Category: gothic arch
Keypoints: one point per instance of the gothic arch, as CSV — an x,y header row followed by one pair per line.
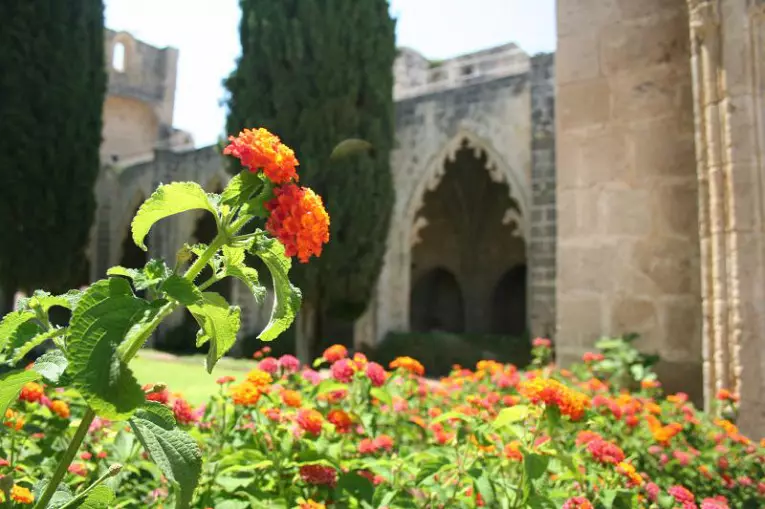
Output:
x,y
498,170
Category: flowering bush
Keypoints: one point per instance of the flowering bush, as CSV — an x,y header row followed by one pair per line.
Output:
x,y
360,435
110,323
345,432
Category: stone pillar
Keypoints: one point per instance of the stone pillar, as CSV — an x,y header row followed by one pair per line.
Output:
x,y
541,248
728,43
628,245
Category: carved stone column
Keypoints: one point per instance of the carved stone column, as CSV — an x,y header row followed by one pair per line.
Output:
x,y
727,81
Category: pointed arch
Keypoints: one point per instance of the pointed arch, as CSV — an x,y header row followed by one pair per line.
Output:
x,y
498,170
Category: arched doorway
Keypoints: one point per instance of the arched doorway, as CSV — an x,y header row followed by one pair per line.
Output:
x,y
436,303
467,227
509,303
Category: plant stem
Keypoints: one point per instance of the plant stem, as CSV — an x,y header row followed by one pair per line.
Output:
x,y
84,493
66,460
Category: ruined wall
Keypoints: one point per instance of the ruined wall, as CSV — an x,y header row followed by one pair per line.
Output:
x,y
138,111
628,245
492,116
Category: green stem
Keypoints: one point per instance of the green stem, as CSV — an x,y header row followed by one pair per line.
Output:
x,y
66,460
81,496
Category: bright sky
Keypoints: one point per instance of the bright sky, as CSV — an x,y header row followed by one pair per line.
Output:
x,y
206,32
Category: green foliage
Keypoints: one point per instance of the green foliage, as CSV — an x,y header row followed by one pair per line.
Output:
x,y
50,135
109,324
287,297
219,324
320,73
100,322
173,450
168,200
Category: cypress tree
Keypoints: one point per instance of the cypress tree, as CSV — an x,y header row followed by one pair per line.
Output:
x,y
52,89
317,72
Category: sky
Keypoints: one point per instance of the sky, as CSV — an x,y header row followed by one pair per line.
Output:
x,y
206,33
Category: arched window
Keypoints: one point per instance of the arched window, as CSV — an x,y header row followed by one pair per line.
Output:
x,y
118,57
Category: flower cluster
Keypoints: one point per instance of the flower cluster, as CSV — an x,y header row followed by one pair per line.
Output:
x,y
553,393
297,217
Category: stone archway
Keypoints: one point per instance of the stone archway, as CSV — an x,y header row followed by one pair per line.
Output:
x,y
471,225
508,304
436,304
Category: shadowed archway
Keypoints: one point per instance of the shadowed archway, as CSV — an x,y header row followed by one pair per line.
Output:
x,y
436,303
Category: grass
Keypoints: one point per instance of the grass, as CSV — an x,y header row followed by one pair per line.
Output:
x,y
187,374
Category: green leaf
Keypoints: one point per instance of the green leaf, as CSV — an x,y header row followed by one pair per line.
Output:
x,y
39,339
100,497
535,465
618,499
257,206
11,384
234,266
182,290
430,467
357,486
153,273
510,415
241,187
168,200
483,486
287,296
100,322
45,301
220,325
382,395
51,365
329,385
448,415
17,328
176,454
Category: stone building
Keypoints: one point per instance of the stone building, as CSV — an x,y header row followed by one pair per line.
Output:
x,y
615,187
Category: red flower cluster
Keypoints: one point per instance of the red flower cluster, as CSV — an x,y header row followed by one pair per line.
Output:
x,y
319,474
310,421
605,452
259,149
299,220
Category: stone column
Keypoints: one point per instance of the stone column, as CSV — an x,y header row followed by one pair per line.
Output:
x,y
728,38
628,245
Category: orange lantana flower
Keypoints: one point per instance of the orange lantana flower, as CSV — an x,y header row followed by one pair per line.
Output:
x,y
409,364
551,392
21,495
260,149
299,220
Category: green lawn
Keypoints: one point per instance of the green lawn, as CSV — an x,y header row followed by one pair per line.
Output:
x,y
186,375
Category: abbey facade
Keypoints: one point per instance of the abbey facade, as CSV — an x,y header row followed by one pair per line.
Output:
x,y
617,186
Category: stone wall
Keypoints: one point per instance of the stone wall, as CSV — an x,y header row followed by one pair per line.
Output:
x,y
543,231
493,117
628,245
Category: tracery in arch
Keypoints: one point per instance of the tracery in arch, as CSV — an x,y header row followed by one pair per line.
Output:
x,y
469,224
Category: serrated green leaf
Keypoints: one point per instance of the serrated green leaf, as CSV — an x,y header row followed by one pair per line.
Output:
x,y
241,187
168,200
11,384
45,300
101,321
156,412
182,290
510,415
51,365
234,266
100,497
153,273
176,454
16,328
39,339
219,323
256,206
287,296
